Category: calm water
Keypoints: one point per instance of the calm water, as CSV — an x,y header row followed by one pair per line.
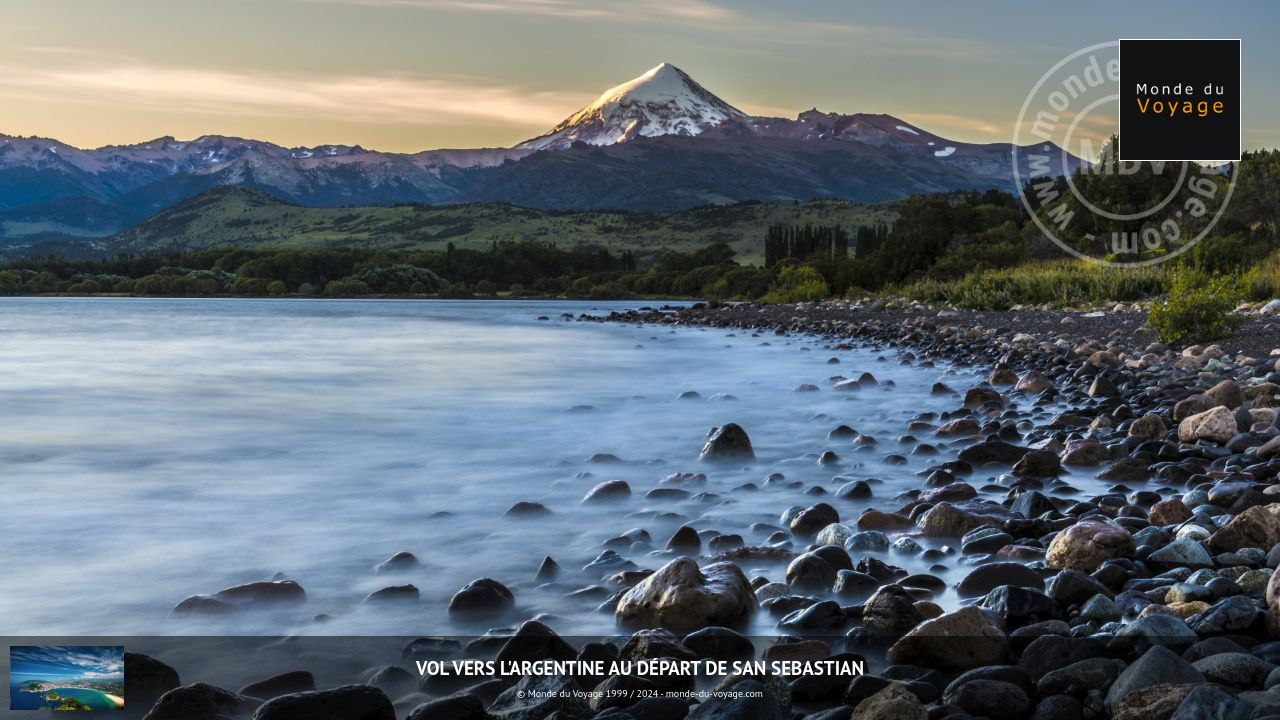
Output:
x,y
19,700
155,449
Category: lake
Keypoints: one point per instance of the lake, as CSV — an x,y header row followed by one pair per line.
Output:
x,y
154,449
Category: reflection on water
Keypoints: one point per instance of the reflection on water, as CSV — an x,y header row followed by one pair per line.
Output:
x,y
155,449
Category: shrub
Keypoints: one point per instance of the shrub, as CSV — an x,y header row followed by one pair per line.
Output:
x,y
346,287
1197,308
277,288
798,283
397,278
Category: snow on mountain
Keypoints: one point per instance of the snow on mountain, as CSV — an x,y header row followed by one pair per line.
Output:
x,y
663,101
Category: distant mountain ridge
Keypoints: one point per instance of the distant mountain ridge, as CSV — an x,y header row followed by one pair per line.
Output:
x,y
661,142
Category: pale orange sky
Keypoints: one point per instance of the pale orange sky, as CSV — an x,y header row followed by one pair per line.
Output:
x,y
408,75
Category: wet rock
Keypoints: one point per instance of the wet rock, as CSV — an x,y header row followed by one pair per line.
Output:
x,y
1059,707
854,585
685,539
810,573
834,534
655,643
960,426
1155,629
1235,669
826,615
854,490
867,541
1169,512
535,641
1256,527
1157,666
484,596
548,570
727,442
527,509
1080,677
890,611
1226,393
951,492
1072,587
1002,375
620,691
719,643
947,520
1100,609
1032,503
1047,653
610,490
1181,553
682,597
986,578
1148,427
1207,702
198,701
789,649
1033,383
249,595
400,562
650,708
1017,606
979,395
1085,452
351,702
992,452
958,640
993,699
146,679
879,520
812,519
1217,425
1038,464
457,707
393,680
1086,544
1231,614
392,594
539,696
1103,387
894,702
1157,701
282,684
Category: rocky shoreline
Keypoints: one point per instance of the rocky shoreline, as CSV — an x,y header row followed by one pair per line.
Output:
x,y
1152,599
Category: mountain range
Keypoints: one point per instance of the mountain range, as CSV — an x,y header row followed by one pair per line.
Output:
x,y
658,143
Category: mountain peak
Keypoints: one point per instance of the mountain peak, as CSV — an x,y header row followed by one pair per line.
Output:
x,y
662,101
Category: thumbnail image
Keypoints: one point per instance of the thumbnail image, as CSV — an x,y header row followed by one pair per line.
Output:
x,y
66,678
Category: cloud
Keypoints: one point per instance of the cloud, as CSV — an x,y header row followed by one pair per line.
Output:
x,y
87,661
933,121
384,98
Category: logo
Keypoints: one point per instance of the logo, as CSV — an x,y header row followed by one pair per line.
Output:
x,y
1080,193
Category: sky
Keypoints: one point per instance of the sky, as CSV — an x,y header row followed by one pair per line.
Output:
x,y
410,75
65,663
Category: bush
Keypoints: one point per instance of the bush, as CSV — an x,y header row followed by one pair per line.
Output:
x,y
346,287
1197,308
277,288
798,283
398,278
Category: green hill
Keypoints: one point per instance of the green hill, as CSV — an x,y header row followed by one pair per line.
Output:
x,y
243,217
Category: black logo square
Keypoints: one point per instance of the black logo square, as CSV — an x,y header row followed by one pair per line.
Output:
x,y
1180,100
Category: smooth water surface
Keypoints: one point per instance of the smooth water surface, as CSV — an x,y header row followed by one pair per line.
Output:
x,y
156,449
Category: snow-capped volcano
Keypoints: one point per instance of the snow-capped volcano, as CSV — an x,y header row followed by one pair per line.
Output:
x,y
663,101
